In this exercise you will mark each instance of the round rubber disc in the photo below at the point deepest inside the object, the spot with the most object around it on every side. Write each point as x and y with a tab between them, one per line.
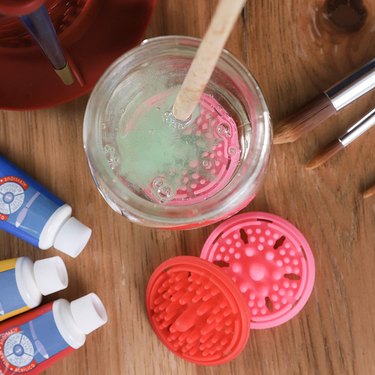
269	260
197	311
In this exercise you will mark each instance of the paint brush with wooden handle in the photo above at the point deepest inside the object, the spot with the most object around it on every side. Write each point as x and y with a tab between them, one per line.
326	104
359	128
205	60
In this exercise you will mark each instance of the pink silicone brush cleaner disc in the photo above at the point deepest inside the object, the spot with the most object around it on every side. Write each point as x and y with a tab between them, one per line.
269	260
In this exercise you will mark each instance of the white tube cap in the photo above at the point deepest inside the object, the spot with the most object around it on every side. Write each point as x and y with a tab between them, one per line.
88	313
72	237
50	275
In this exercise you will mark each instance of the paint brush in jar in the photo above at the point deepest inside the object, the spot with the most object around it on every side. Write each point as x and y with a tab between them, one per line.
40	27
353	133
326	104
35	18
206	58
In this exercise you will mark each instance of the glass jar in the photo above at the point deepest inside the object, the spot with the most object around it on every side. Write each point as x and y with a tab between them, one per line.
160	64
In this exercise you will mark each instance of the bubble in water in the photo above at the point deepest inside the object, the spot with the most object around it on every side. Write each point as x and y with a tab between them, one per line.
107	149
232	150
114	163
170	120
158	182
207	164
162	190
224	129
165	193
172	173
112	157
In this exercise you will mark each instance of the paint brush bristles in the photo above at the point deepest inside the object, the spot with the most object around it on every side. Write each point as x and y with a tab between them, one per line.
305	119
327	153
327	104
369	192
353	133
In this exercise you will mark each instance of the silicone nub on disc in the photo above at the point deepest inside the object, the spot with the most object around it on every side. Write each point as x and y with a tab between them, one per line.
197	311
269	260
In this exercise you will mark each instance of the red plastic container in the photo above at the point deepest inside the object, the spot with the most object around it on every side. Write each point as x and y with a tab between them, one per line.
93	34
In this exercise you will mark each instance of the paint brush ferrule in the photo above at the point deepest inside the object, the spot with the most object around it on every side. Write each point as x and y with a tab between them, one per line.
353	86
359	128
66	75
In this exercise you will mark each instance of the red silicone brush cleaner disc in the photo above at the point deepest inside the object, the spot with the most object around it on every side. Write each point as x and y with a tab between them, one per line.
269	260
197	311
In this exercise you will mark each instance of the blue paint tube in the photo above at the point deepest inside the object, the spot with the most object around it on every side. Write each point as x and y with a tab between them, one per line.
32	213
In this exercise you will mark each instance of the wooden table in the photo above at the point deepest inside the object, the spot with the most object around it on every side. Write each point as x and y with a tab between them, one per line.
293	53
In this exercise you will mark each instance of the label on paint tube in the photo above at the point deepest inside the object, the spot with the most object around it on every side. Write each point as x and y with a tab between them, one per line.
11	302
25	205
25	347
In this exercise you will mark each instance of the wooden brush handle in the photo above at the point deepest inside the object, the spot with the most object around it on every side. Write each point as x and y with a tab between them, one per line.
305	119
206	58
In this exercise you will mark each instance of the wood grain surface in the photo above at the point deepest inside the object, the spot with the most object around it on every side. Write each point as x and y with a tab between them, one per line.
294	52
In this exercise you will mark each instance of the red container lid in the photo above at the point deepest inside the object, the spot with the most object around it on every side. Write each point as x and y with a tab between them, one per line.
93	34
